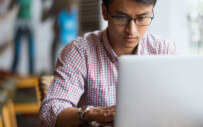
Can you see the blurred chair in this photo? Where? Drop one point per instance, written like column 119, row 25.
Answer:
column 7, row 91
column 1, row 122
column 27, row 99
column 7, row 111
column 3, row 99
column 44, row 83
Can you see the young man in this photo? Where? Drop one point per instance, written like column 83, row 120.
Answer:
column 87, row 69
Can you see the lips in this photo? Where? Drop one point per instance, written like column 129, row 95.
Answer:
column 130, row 39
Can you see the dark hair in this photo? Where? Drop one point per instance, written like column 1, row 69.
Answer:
column 148, row 2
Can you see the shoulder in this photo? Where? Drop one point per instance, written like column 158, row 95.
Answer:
column 89, row 40
column 153, row 38
column 82, row 45
column 159, row 44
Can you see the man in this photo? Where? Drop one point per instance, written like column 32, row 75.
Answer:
column 87, row 69
column 23, row 28
column 65, row 27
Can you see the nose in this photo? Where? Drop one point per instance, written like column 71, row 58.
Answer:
column 131, row 28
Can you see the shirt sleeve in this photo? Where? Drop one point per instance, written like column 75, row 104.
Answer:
column 157, row 45
column 67, row 86
column 172, row 49
column 166, row 47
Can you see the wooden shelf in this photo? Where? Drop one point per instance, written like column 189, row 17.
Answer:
column 26, row 108
column 27, row 82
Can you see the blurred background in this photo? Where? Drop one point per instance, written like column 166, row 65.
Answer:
column 33, row 32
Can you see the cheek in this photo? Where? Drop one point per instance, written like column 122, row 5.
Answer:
column 142, row 30
column 117, row 31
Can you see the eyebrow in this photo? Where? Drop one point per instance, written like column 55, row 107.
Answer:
column 123, row 13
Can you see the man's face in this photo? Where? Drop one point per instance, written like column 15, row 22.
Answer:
column 125, row 38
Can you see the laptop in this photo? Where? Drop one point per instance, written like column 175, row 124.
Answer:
column 160, row 91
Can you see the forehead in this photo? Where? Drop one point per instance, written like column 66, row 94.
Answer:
column 130, row 6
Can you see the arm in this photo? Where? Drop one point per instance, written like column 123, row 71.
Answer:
column 51, row 12
column 59, row 106
column 46, row 10
column 69, row 116
column 13, row 2
column 7, row 6
column 4, row 46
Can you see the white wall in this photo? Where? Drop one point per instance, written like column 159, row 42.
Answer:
column 171, row 22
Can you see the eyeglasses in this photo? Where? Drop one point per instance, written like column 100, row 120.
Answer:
column 124, row 20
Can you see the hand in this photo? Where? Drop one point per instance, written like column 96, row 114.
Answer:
column 100, row 114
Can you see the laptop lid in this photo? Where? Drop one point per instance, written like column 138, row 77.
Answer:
column 160, row 91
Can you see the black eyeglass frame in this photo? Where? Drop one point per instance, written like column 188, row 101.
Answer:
column 130, row 18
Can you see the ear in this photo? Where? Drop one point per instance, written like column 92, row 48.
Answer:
column 104, row 12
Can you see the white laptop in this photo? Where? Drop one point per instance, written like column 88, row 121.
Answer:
column 160, row 91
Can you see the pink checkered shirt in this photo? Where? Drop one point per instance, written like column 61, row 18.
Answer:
column 87, row 73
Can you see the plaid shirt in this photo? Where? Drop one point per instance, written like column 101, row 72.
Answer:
column 87, row 73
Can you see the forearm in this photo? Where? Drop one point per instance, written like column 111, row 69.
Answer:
column 50, row 111
column 68, row 118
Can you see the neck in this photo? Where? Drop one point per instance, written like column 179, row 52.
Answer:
column 128, row 51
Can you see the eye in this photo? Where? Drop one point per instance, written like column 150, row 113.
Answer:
column 122, row 18
column 141, row 18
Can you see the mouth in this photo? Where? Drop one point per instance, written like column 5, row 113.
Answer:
column 133, row 39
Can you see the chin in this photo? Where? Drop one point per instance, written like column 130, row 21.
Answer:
column 131, row 45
